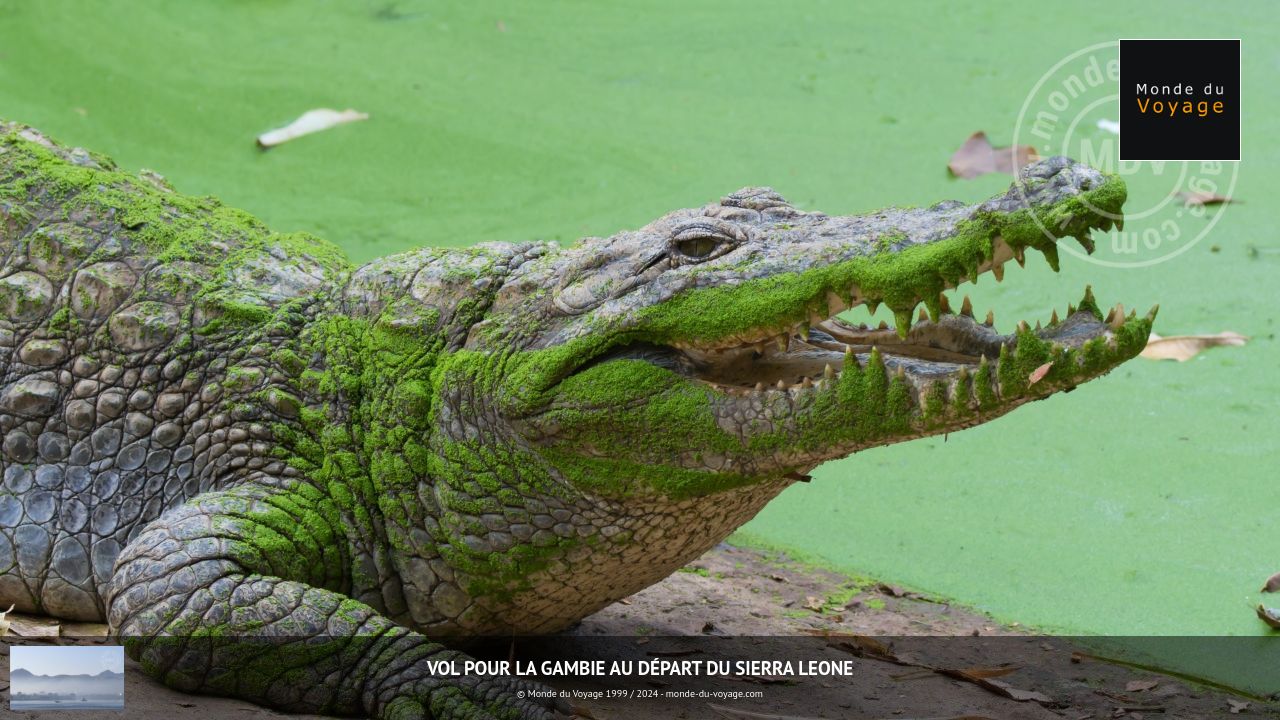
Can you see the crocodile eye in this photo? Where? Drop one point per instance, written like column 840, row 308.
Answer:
column 697, row 248
column 704, row 240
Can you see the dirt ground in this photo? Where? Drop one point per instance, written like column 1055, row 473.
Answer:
column 915, row 657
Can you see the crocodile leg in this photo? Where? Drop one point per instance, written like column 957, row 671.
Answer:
column 202, row 601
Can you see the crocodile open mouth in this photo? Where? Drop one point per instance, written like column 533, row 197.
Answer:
column 943, row 345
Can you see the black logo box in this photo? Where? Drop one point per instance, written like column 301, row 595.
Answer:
column 1187, row 69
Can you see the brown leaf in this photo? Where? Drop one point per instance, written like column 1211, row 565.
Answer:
column 1185, row 347
column 1140, row 685
column 1273, row 583
column 979, row 673
column 1038, row 374
column 33, row 627
column 1194, row 197
column 311, row 121
column 858, row 645
column 892, row 590
column 1270, row 616
column 977, row 157
column 814, row 603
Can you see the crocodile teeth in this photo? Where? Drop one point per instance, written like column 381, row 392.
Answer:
column 903, row 320
column 834, row 304
column 943, row 303
column 923, row 316
column 1053, row 319
column 998, row 271
column 991, row 319
column 828, row 372
column 967, row 308
column 883, row 325
column 759, row 387
column 782, row 385
column 1116, row 318
column 1021, row 256
column 1151, row 314
column 805, row 382
column 1051, row 256
column 783, row 342
column 1120, row 223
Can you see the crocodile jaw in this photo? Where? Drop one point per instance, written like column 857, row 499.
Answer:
column 751, row 352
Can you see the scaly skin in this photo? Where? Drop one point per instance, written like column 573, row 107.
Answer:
column 216, row 434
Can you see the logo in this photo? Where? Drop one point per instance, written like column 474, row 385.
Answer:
column 1180, row 99
column 1074, row 110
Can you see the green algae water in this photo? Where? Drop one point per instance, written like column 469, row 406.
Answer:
column 1142, row 504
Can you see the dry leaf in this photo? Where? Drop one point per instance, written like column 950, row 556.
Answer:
column 1140, row 685
column 311, row 121
column 1038, row 374
column 892, row 590
column 977, row 157
column 979, row 673
column 34, row 627
column 1270, row 616
column 1237, row 706
column 1195, row 197
column 1185, row 347
column 858, row 645
column 1273, row 583
column 814, row 603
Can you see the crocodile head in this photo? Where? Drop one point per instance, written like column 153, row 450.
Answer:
column 704, row 351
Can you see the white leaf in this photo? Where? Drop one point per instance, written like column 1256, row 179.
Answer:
column 1185, row 347
column 311, row 121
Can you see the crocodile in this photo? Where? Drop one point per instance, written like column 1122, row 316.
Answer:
column 215, row 434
